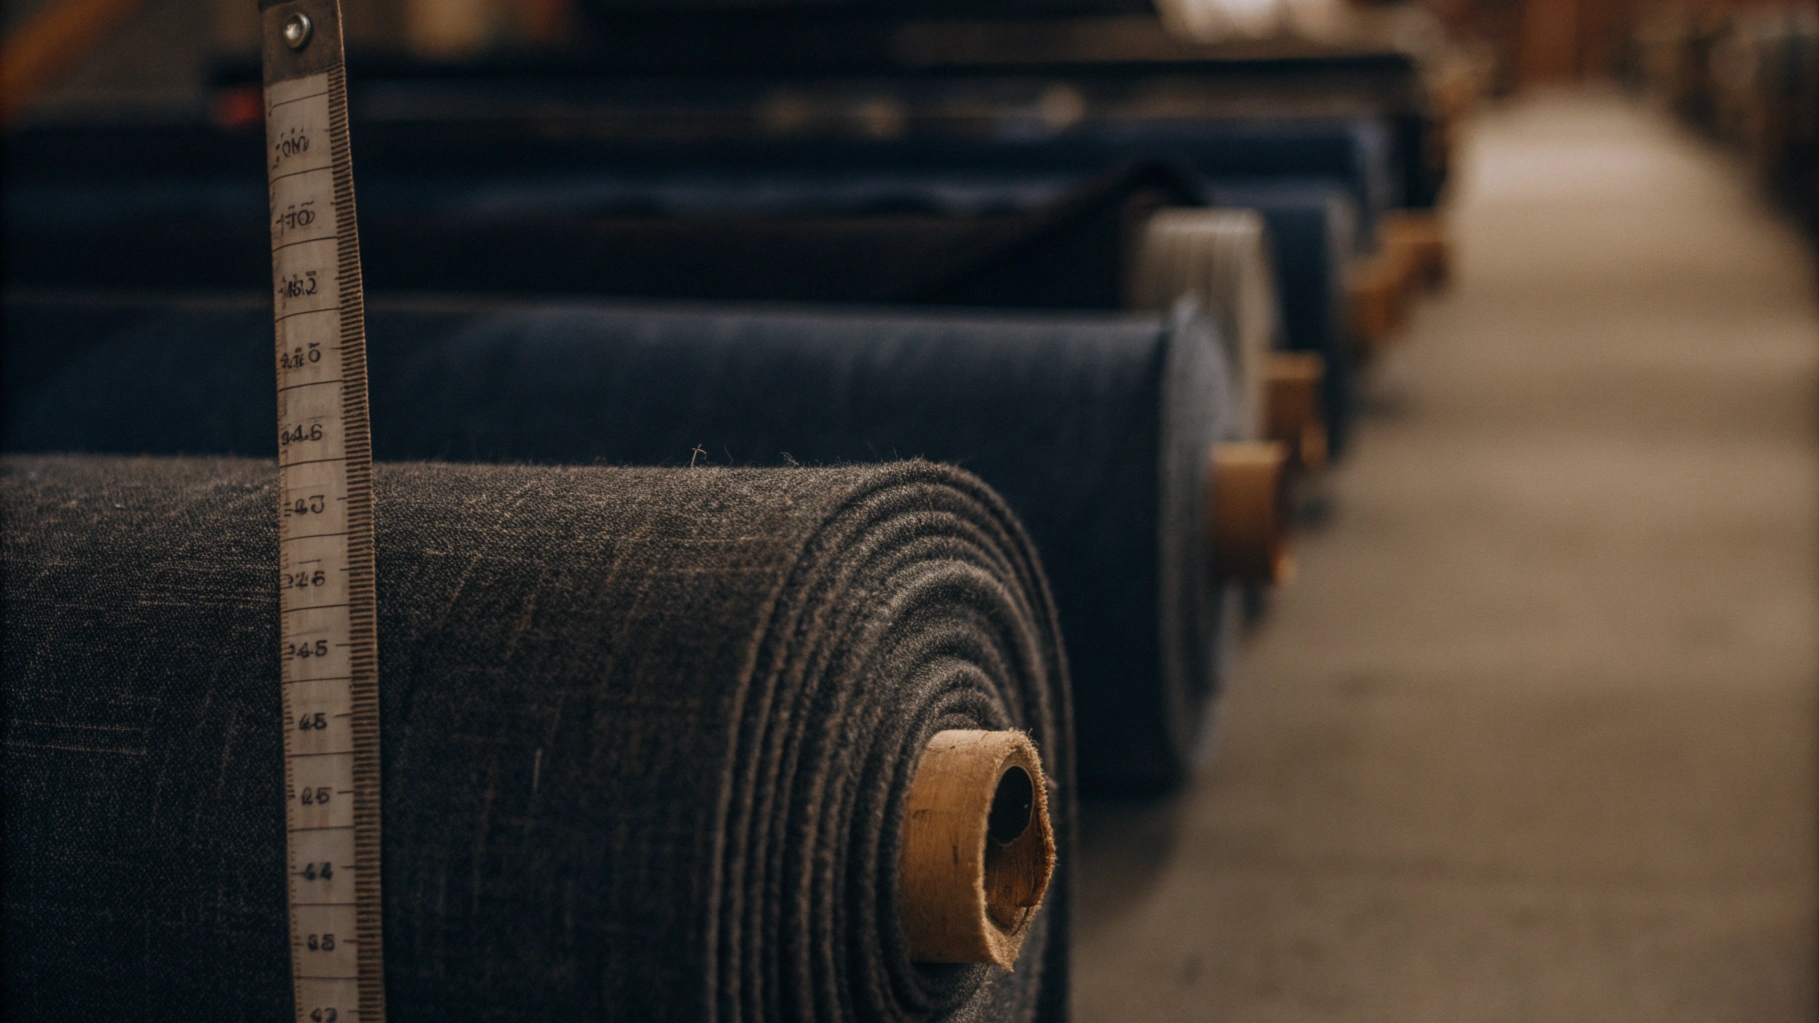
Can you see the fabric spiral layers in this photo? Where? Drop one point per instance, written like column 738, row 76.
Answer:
column 1096, row 429
column 646, row 733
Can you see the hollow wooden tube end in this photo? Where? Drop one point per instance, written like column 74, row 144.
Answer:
column 977, row 848
column 1292, row 414
column 1248, row 511
column 1420, row 236
column 1377, row 300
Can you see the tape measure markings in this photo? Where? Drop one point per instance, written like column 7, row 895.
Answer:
column 328, row 646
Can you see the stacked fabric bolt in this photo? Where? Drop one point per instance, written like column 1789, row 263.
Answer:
column 194, row 195
column 1313, row 232
column 1355, row 152
column 773, row 174
column 945, row 237
column 1097, row 430
column 955, row 240
column 647, row 738
column 1220, row 258
column 1024, row 243
column 720, row 71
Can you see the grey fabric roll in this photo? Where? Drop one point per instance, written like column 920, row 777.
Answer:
column 1096, row 429
column 1222, row 259
column 647, row 736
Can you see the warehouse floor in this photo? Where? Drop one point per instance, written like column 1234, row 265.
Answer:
column 1533, row 736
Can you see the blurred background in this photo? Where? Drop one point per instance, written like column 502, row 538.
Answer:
column 1531, row 733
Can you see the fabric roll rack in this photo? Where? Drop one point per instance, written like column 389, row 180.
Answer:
column 739, row 661
column 1008, row 225
column 649, row 737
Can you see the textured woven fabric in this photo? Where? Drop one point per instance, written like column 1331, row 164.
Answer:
column 506, row 226
column 1045, row 244
column 1096, row 429
column 961, row 223
column 647, row 736
column 118, row 173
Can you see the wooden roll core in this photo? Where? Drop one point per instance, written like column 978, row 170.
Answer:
column 1292, row 406
column 1248, row 511
column 977, row 848
column 1377, row 297
column 1419, row 239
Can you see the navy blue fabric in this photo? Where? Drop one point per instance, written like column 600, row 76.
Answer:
column 952, row 222
column 587, row 175
column 1425, row 164
column 1359, row 152
column 990, row 239
column 1312, row 233
column 949, row 237
column 1096, row 429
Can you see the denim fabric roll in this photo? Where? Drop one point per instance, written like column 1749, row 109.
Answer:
column 646, row 737
column 1221, row 259
column 94, row 211
column 1097, row 429
column 949, row 239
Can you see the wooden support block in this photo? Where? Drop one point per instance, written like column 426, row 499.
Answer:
column 1419, row 237
column 978, row 849
column 1292, row 411
column 1377, row 294
column 1247, row 511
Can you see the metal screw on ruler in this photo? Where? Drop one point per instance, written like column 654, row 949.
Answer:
column 297, row 30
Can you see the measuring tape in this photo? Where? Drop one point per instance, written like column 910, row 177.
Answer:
column 330, row 677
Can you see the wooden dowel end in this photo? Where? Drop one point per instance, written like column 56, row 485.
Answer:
column 1419, row 238
column 1377, row 295
column 978, row 849
column 1247, row 508
column 1292, row 411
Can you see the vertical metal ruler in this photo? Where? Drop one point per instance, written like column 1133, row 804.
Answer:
column 330, row 680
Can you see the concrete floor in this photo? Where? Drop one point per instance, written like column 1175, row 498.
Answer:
column 1533, row 736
